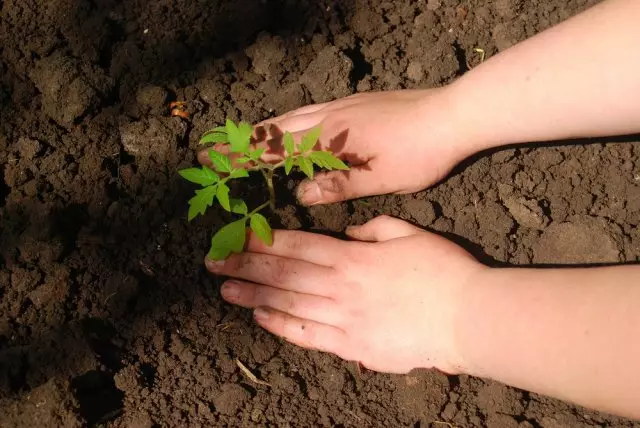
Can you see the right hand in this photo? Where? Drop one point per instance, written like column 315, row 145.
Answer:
column 396, row 142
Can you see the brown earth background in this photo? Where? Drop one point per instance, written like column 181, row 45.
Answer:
column 107, row 317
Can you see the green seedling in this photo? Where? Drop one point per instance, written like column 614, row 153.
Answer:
column 246, row 158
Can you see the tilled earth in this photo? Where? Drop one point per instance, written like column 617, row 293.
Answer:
column 107, row 317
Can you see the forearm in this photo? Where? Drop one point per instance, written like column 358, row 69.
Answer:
column 573, row 334
column 578, row 79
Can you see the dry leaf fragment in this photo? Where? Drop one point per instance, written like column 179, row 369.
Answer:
column 250, row 375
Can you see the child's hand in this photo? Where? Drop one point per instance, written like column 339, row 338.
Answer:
column 396, row 142
column 390, row 303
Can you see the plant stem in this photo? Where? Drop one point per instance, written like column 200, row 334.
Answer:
column 268, row 176
column 257, row 209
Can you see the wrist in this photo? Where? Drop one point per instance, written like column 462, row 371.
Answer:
column 451, row 122
column 476, row 308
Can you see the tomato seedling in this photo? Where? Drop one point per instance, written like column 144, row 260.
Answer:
column 213, row 181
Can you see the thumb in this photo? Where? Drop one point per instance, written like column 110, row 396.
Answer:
column 337, row 186
column 383, row 228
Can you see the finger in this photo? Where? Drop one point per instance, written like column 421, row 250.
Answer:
column 295, row 123
column 280, row 272
column 303, row 332
column 310, row 247
column 250, row 295
column 308, row 109
column 383, row 228
column 337, row 186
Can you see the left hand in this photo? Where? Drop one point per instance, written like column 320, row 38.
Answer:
column 387, row 300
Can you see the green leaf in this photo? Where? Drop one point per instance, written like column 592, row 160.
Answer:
column 246, row 130
column 199, row 203
column 243, row 159
column 257, row 154
column 223, row 196
column 288, row 165
column 305, row 166
column 219, row 129
column 327, row 160
column 221, row 162
column 238, row 206
column 310, row 139
column 260, row 227
column 202, row 176
column 229, row 239
column 239, row 137
column 288, row 143
column 239, row 173
column 214, row 137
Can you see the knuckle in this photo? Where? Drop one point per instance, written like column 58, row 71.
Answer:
column 279, row 270
column 295, row 243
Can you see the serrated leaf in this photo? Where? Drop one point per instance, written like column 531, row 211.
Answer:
column 257, row 154
column 238, row 137
column 288, row 165
column 246, row 130
column 305, row 166
column 202, row 176
column 288, row 143
column 221, row 162
column 327, row 160
column 223, row 196
column 229, row 239
column 199, row 203
column 310, row 139
column 238, row 206
column 260, row 227
column 239, row 173
column 214, row 137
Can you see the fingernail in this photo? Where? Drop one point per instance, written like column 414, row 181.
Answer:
column 261, row 314
column 214, row 265
column 230, row 290
column 310, row 193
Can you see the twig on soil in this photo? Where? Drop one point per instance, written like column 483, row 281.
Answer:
column 250, row 375
column 108, row 297
column 226, row 326
column 482, row 57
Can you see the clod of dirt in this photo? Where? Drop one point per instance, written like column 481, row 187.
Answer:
column 500, row 399
column 414, row 71
column 527, row 212
column 158, row 138
column 497, row 420
column 151, row 99
column 327, row 76
column 49, row 405
column 290, row 98
column 411, row 391
column 230, row 398
column 267, row 55
column 28, row 148
column 582, row 240
column 508, row 9
column 422, row 211
column 69, row 87
column 333, row 217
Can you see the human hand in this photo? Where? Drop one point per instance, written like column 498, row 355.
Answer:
column 388, row 299
column 396, row 142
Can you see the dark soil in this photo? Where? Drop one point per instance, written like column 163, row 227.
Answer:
column 107, row 316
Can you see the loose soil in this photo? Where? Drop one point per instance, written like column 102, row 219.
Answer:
column 107, row 317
